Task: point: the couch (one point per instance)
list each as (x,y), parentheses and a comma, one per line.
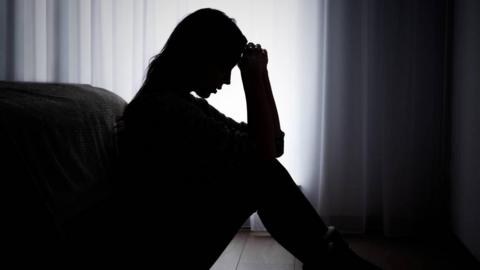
(57,160)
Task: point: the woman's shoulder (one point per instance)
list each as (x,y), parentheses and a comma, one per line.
(165,103)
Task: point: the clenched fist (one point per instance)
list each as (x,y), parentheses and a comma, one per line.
(254,59)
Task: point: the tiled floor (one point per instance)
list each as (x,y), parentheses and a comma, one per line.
(252,251)
(258,251)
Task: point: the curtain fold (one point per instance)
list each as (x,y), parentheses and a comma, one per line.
(96,42)
(384,117)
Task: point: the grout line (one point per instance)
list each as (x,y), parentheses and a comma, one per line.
(243,249)
(297,263)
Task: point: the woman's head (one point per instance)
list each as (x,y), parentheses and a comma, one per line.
(199,54)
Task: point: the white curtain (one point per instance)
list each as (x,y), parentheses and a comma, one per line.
(358,84)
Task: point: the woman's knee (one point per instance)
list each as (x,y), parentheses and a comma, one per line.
(267,176)
(274,170)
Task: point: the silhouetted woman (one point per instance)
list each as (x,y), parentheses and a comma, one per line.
(193,176)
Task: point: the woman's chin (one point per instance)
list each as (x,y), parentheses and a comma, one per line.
(205,93)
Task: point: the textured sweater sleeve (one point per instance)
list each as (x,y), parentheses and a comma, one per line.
(205,134)
(190,130)
(242,126)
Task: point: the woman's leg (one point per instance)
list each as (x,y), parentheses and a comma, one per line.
(295,224)
(220,209)
(288,215)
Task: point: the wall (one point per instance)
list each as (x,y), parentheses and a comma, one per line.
(466,124)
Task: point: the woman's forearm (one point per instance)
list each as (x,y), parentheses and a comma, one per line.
(275,118)
(271,101)
(261,115)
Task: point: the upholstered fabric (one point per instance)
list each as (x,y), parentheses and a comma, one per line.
(60,141)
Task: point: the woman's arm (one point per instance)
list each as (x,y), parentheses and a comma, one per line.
(263,119)
(276,121)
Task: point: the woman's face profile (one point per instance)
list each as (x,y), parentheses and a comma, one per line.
(212,78)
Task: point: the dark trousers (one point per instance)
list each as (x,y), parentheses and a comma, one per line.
(188,225)
(211,215)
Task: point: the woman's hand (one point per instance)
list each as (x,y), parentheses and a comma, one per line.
(254,59)
(253,67)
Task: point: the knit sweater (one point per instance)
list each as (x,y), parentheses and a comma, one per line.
(186,137)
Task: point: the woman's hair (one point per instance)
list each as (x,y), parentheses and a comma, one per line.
(206,35)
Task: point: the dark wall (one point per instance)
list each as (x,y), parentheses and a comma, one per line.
(466,123)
